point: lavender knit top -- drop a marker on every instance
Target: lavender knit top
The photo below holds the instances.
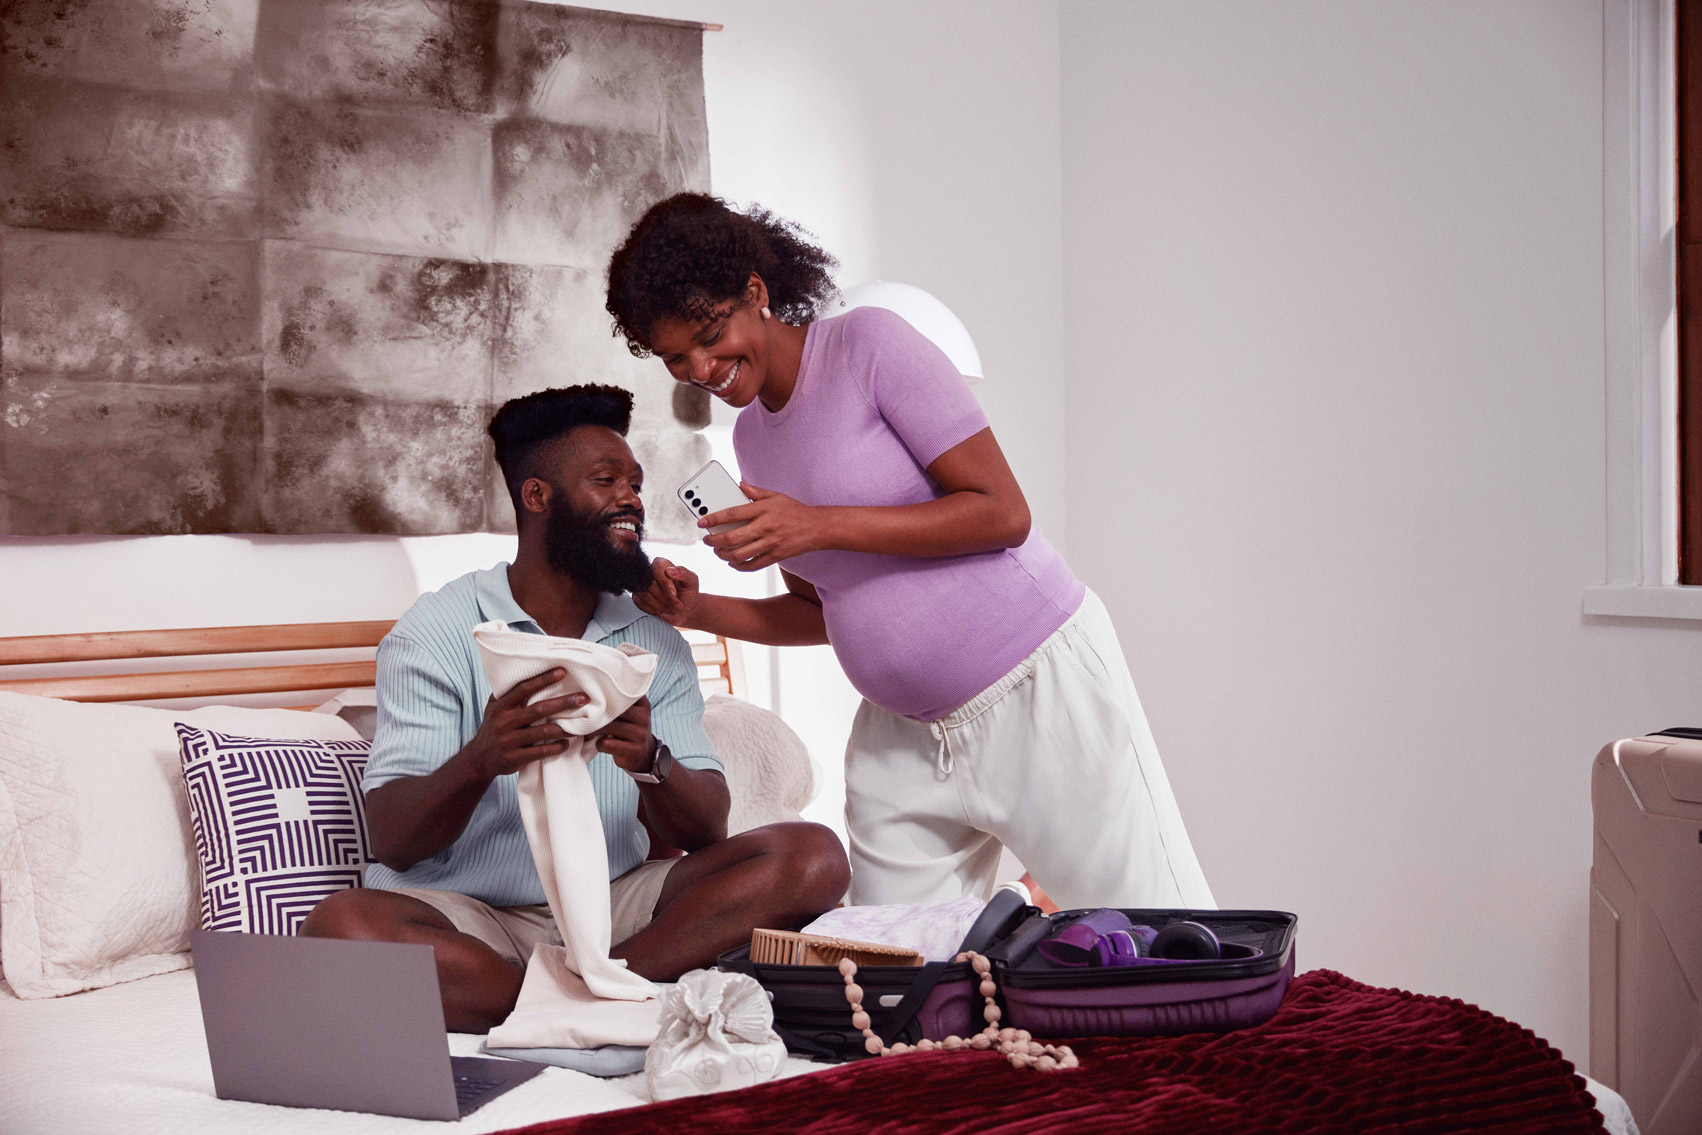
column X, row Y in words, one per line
column 876, row 402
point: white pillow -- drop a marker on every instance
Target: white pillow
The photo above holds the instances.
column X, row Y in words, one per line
column 358, row 706
column 769, row 774
column 98, row 876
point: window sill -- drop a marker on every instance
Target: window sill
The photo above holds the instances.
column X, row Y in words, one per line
column 1628, row 602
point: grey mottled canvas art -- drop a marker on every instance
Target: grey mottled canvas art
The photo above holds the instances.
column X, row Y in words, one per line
column 269, row 265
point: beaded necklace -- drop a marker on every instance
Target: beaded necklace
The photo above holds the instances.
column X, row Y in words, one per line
column 1016, row 1045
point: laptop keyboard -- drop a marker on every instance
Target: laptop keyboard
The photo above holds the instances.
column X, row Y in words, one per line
column 470, row 1088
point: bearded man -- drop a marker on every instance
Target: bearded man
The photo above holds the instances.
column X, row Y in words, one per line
column 454, row 869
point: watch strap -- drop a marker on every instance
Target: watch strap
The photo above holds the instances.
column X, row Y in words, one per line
column 661, row 764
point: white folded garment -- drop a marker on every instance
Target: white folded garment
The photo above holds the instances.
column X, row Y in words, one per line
column 574, row 995
column 932, row 929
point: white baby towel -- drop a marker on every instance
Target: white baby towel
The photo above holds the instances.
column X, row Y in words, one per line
column 573, row 995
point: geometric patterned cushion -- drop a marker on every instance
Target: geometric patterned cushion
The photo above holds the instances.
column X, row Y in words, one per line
column 278, row 825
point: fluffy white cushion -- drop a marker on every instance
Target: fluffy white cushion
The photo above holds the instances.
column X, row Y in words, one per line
column 769, row 774
column 97, row 861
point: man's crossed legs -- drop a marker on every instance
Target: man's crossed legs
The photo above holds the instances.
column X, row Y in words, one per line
column 780, row 877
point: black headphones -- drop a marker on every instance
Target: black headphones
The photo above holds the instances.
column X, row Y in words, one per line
column 1186, row 941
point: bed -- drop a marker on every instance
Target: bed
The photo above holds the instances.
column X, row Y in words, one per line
column 1339, row 1056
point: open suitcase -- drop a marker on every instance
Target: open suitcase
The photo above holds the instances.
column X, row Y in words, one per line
column 940, row 999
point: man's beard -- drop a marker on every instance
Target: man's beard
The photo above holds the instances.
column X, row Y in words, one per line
column 579, row 544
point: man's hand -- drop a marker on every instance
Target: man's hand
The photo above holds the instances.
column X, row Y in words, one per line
column 773, row 527
column 415, row 817
column 673, row 594
column 514, row 734
column 628, row 738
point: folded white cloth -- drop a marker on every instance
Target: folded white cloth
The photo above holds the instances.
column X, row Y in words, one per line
column 557, row 1009
column 717, row 1033
column 933, row 929
column 573, row 995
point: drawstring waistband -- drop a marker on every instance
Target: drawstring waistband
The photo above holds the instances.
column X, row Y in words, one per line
column 941, row 729
column 942, row 734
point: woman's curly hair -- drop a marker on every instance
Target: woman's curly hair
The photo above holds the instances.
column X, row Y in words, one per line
column 691, row 255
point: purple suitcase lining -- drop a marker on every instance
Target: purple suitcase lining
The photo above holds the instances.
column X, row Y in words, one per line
column 1149, row 1000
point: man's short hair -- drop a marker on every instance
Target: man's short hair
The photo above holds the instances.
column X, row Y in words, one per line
column 524, row 427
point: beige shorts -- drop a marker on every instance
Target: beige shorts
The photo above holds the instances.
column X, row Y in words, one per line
column 512, row 931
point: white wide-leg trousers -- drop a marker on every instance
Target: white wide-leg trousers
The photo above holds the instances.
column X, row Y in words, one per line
column 1055, row 761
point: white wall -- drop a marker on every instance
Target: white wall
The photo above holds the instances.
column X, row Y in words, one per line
column 1334, row 294
column 920, row 142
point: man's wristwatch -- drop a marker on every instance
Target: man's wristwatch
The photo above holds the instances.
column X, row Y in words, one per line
column 661, row 765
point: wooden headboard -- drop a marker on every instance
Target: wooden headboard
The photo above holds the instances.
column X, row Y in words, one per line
column 719, row 667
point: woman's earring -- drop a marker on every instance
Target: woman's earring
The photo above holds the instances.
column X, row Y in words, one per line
column 766, row 313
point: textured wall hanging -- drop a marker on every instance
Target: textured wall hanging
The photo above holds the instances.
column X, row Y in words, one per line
column 269, row 265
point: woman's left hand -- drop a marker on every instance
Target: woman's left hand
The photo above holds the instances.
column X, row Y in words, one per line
column 772, row 527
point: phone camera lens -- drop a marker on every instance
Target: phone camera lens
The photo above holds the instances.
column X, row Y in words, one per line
column 692, row 497
column 702, row 511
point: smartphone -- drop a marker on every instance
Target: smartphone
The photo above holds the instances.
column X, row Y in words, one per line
column 712, row 489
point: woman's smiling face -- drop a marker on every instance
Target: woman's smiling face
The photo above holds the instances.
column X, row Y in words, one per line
column 726, row 354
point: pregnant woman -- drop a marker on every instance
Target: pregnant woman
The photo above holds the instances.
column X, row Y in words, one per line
column 998, row 709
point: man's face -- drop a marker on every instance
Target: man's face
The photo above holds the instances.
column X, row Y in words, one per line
column 595, row 519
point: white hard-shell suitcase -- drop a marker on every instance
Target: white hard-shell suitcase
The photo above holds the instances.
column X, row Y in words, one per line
column 1646, row 928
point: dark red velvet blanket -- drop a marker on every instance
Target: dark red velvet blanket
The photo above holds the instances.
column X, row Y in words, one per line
column 1337, row 1057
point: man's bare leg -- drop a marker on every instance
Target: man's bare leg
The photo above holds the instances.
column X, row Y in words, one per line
column 479, row 985
column 777, row 877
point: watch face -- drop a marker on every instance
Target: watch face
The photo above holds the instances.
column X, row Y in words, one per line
column 660, row 766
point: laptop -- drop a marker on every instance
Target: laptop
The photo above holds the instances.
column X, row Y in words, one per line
column 320, row 1022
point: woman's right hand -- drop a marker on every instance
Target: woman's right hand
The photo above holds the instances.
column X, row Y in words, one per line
column 673, row 594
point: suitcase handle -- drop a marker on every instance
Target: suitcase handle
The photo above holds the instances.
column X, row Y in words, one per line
column 811, row 1044
column 1020, row 944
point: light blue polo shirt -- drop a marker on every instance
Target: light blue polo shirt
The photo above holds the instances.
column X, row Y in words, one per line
column 432, row 692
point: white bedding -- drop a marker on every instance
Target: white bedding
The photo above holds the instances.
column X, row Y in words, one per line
column 132, row 1058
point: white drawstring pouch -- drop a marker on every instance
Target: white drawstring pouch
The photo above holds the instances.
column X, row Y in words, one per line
column 716, row 1034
